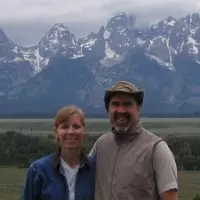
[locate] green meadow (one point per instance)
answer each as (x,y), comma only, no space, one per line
(186,126)
(12,178)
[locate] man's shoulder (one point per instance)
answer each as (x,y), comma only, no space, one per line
(150,136)
(162,149)
(105,137)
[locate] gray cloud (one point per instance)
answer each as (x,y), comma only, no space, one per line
(25,21)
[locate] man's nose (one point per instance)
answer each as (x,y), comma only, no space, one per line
(121,109)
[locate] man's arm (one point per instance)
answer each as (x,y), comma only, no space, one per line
(166,172)
(169,195)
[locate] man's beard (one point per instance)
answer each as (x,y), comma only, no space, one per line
(122,122)
(122,130)
(126,130)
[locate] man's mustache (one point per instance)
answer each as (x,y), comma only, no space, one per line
(118,114)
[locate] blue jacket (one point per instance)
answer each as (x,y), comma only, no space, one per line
(46,181)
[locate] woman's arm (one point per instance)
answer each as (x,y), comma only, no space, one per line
(31,190)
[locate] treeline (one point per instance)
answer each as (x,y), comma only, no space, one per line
(20,150)
(186,151)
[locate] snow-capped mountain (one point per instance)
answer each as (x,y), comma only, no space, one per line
(14,70)
(164,59)
(8,50)
(58,40)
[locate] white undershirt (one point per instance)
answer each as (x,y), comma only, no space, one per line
(70,175)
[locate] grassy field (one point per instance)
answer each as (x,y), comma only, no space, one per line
(100,126)
(12,179)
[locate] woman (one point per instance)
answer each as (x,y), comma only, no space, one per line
(67,174)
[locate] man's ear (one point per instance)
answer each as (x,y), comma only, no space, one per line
(139,107)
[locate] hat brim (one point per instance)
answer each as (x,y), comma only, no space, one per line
(138,96)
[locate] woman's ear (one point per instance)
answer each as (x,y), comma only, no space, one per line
(57,138)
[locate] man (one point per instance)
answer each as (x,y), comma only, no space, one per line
(132,163)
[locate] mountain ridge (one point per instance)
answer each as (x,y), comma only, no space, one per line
(163,59)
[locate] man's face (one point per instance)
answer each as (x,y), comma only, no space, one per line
(123,112)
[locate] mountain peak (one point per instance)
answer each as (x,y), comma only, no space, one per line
(57,37)
(58,31)
(121,20)
(3,37)
(163,59)
(170,21)
(60,27)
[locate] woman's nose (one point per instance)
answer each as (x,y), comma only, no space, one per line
(70,130)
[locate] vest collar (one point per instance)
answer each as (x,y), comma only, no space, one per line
(130,135)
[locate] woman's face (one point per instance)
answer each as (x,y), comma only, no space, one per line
(71,133)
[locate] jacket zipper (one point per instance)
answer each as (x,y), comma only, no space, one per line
(66,184)
(116,158)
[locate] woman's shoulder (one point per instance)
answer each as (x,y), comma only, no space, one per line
(42,162)
(92,161)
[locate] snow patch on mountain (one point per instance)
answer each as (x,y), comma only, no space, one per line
(89,44)
(193,49)
(161,62)
(161,42)
(109,52)
(15,49)
(106,35)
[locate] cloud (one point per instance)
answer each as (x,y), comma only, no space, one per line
(50,10)
(47,11)
(86,15)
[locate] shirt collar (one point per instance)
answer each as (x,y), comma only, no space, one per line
(56,159)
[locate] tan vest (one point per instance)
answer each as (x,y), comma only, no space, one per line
(125,170)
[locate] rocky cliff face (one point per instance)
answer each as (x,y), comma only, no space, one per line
(61,69)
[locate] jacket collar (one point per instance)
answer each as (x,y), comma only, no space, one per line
(56,159)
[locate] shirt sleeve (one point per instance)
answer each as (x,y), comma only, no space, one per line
(165,168)
(31,190)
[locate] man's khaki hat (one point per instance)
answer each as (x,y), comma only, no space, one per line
(124,87)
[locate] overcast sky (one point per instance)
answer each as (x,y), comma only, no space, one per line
(25,21)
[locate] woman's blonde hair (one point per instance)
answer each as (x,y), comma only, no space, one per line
(65,112)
